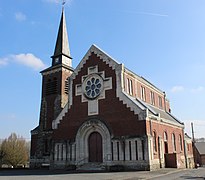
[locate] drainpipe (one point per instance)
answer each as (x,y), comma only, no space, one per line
(185,153)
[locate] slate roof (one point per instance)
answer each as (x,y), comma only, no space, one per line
(165,114)
(62,45)
(154,110)
(200,147)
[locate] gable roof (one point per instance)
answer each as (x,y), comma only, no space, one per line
(200,147)
(135,104)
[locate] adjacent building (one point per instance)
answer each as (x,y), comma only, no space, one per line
(199,153)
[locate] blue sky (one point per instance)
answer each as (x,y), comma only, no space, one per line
(162,40)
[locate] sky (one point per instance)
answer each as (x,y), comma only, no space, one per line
(161,40)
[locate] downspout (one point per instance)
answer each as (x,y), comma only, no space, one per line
(185,151)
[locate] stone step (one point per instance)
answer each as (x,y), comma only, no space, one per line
(91,167)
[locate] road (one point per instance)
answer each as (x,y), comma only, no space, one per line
(198,174)
(162,174)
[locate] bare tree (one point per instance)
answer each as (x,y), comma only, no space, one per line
(15,151)
(1,155)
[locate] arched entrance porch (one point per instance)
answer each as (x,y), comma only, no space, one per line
(93,143)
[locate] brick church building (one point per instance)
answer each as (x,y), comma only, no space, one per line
(102,115)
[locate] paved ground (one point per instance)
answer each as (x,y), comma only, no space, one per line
(164,174)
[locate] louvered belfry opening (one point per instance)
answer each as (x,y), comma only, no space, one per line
(51,86)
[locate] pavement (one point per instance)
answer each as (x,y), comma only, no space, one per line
(24,174)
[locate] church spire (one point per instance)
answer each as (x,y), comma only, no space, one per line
(62,50)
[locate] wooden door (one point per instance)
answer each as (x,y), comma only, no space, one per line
(95,147)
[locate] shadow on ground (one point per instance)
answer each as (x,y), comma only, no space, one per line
(192,177)
(29,172)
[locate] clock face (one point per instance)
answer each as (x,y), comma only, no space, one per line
(56,60)
(93,86)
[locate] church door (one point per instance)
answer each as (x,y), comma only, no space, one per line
(95,147)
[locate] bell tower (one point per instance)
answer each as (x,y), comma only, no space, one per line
(54,95)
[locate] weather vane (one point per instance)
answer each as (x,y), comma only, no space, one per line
(63,2)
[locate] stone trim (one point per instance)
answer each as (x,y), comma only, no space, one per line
(94,125)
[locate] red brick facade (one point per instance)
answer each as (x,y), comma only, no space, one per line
(119,119)
(129,115)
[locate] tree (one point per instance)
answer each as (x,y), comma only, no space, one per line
(1,155)
(15,151)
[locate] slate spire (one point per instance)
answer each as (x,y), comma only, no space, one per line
(62,51)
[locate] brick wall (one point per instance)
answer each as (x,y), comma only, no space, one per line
(118,118)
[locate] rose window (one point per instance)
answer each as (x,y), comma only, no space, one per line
(93,86)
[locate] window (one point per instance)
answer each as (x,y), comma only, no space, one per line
(152,98)
(143,152)
(66,86)
(174,142)
(93,86)
(165,143)
(160,102)
(130,150)
(154,141)
(129,86)
(51,86)
(143,93)
(180,142)
(62,146)
(58,149)
(165,137)
(112,150)
(136,150)
(118,151)
(123,143)
(71,152)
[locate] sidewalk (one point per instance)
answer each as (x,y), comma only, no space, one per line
(143,174)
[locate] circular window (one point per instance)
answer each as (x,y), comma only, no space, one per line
(93,86)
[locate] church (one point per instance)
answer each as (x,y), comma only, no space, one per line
(101,115)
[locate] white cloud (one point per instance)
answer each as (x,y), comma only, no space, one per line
(3,61)
(177,89)
(20,16)
(198,89)
(28,60)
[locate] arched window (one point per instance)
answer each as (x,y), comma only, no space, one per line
(173,142)
(154,141)
(165,137)
(165,143)
(180,142)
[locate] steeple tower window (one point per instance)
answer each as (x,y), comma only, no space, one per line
(66,86)
(51,86)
